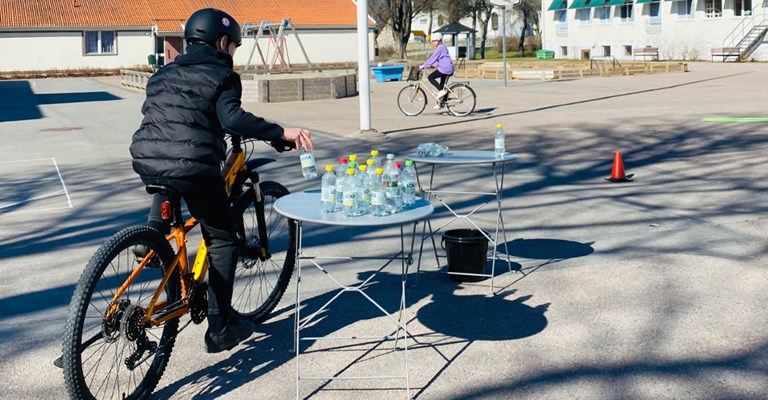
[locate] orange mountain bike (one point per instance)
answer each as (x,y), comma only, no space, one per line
(126,310)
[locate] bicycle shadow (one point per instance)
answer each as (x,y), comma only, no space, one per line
(445,316)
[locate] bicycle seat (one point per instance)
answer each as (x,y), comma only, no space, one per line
(163,190)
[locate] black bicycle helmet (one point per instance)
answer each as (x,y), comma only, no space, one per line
(209,24)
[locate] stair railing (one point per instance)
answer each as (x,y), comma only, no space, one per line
(746,25)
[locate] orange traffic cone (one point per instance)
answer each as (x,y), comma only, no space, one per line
(617,173)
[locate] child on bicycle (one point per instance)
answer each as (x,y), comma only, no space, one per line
(190,104)
(442,60)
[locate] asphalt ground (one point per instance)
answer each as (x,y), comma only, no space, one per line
(654,289)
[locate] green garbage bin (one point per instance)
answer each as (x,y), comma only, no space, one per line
(151,60)
(545,53)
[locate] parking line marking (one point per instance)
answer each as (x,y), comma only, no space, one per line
(66,193)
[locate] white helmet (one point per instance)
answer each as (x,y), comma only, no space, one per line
(436,36)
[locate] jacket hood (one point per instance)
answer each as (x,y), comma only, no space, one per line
(204,54)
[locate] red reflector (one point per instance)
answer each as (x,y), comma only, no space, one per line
(165,210)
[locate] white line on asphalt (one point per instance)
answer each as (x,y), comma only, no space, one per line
(69,201)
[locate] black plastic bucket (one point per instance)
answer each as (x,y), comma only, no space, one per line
(466,250)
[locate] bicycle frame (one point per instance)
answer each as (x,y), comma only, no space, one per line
(429,88)
(235,164)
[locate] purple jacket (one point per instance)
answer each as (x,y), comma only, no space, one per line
(441,59)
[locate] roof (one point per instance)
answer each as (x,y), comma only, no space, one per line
(166,14)
(454,27)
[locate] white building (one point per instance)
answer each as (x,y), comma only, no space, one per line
(680,29)
(40,35)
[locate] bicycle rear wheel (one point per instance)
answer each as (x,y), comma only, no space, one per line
(411,100)
(261,279)
(461,100)
(107,352)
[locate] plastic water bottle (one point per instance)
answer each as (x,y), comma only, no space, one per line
(341,169)
(378,197)
(498,142)
(308,167)
(371,166)
(408,184)
(391,181)
(328,191)
(431,149)
(376,159)
(349,193)
(363,190)
(341,176)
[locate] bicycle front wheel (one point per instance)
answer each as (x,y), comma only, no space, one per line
(412,100)
(108,352)
(461,100)
(265,264)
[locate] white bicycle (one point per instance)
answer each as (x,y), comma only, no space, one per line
(460,99)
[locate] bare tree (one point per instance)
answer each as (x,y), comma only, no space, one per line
(379,11)
(483,11)
(402,14)
(528,10)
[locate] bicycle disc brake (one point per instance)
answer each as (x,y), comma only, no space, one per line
(198,307)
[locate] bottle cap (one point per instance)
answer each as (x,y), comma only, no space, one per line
(390,156)
(329,168)
(498,126)
(350,171)
(408,162)
(374,153)
(342,160)
(398,165)
(370,161)
(379,171)
(362,167)
(352,157)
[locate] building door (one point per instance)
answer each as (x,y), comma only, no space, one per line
(172,48)
(160,50)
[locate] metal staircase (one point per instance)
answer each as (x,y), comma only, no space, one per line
(749,33)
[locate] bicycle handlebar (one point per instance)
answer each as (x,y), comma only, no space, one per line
(278,144)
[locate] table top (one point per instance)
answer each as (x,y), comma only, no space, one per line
(305,206)
(463,157)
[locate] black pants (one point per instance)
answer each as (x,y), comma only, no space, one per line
(433,79)
(207,201)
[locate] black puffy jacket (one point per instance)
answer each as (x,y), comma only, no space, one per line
(189,104)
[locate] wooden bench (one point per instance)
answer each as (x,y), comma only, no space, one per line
(726,52)
(647,51)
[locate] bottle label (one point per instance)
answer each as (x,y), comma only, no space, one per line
(349,199)
(365,195)
(328,194)
(307,160)
(377,198)
(499,143)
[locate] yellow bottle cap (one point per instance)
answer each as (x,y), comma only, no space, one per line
(329,167)
(374,152)
(370,161)
(362,167)
(350,171)
(352,157)
(498,126)
(379,171)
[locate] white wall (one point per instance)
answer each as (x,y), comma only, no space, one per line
(31,51)
(677,39)
(36,51)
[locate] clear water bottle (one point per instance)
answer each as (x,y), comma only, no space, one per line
(391,181)
(378,196)
(376,159)
(371,166)
(349,193)
(408,184)
(328,191)
(431,149)
(498,142)
(363,190)
(308,167)
(341,169)
(341,176)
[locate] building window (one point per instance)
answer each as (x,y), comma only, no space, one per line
(561,21)
(606,51)
(654,11)
(627,50)
(100,42)
(495,21)
(603,14)
(583,16)
(564,51)
(626,13)
(684,9)
(713,8)
(742,7)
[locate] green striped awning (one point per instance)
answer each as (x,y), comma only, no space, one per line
(578,4)
(644,1)
(556,4)
(616,2)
